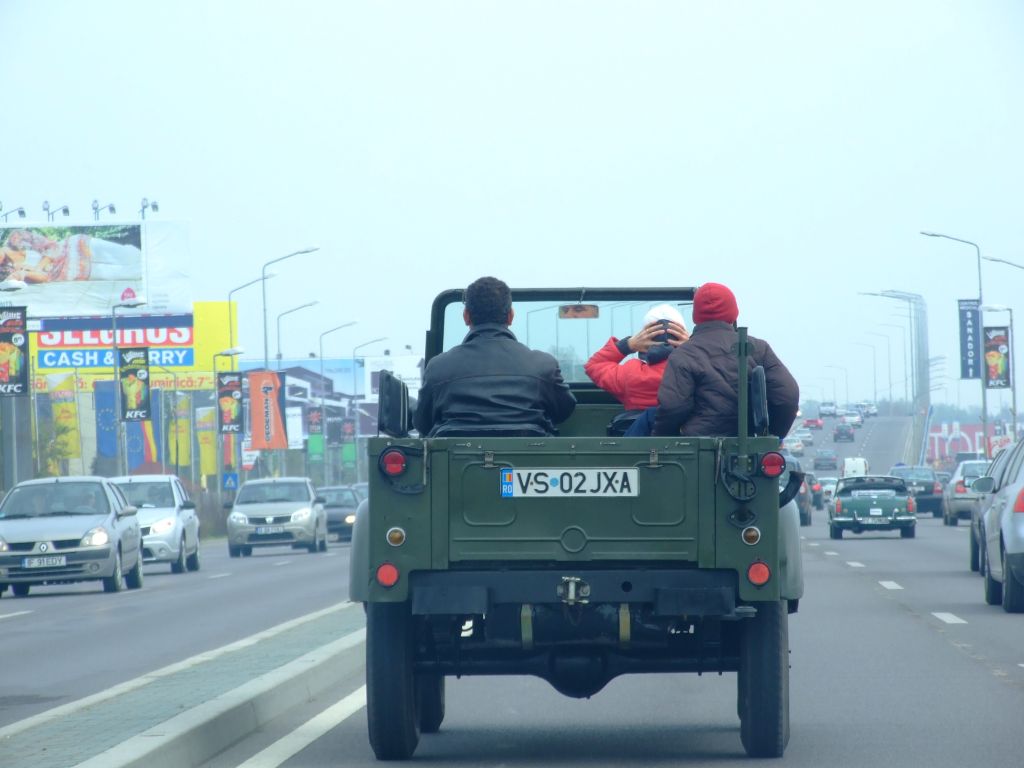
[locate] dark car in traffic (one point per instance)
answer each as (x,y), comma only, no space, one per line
(843,433)
(924,486)
(340,502)
(826,458)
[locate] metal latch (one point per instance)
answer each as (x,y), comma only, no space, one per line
(573,591)
(489,459)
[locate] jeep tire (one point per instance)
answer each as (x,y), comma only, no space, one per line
(430,701)
(390,683)
(764,681)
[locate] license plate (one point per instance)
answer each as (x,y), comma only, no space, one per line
(565,483)
(45,561)
(268,529)
(875,510)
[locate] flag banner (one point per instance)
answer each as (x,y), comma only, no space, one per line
(179,442)
(64,406)
(997,357)
(143,440)
(266,411)
(106,418)
(314,421)
(970,343)
(206,433)
(133,369)
(229,402)
(13,352)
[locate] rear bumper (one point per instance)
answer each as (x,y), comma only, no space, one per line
(862,524)
(961,507)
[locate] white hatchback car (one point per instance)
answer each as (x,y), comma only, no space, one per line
(170,525)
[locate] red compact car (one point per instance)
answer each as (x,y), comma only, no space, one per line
(814,424)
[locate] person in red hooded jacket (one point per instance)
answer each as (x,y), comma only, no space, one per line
(699,391)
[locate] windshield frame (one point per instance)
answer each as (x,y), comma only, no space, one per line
(50,490)
(307,499)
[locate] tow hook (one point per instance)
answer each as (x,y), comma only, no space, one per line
(573,591)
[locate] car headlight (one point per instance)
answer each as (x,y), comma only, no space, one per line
(162,526)
(350,519)
(238,517)
(97,537)
(301,516)
(3,545)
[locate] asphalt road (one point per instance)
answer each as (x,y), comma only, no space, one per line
(64,642)
(896,661)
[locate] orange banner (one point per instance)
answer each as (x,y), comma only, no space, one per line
(266,411)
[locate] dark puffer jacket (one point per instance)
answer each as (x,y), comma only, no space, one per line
(491,380)
(698,394)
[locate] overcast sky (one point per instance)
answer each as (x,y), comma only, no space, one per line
(792,150)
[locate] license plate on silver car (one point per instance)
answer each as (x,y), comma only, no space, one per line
(568,483)
(269,529)
(45,561)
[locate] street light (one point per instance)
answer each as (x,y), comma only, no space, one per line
(96,208)
(263,280)
(323,403)
(153,206)
(288,312)
(906,365)
(1013,356)
(138,301)
(888,363)
(51,213)
(874,365)
(232,292)
(19,210)
(846,382)
(355,413)
(981,301)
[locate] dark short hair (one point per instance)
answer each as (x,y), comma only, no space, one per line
(488,300)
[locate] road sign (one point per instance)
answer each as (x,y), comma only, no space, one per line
(230,482)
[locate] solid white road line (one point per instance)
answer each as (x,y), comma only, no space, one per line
(890,585)
(855,564)
(12,615)
(949,618)
(131,685)
(218,575)
(288,746)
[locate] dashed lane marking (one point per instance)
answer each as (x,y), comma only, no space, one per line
(218,575)
(813,543)
(830,552)
(949,618)
(283,562)
(855,564)
(890,585)
(12,615)
(288,746)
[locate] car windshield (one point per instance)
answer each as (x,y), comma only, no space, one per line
(148,494)
(267,493)
(54,499)
(339,497)
(559,327)
(914,473)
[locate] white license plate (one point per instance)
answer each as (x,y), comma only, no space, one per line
(268,529)
(45,561)
(566,483)
(875,510)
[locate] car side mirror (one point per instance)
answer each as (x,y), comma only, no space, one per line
(393,405)
(128,511)
(983,485)
(188,505)
(228,504)
(319,500)
(759,401)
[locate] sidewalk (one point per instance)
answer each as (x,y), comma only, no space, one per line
(184,714)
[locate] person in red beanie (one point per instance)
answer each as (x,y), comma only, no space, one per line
(698,392)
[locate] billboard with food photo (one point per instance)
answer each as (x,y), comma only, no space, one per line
(997,357)
(87,269)
(13,352)
(134,375)
(229,402)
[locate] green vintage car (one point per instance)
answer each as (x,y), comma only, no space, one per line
(872,503)
(575,558)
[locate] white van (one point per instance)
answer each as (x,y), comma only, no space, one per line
(827,408)
(856,466)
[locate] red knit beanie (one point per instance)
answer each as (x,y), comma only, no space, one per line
(713,301)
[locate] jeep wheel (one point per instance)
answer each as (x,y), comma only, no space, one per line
(975,564)
(993,589)
(430,701)
(764,687)
(1013,590)
(390,683)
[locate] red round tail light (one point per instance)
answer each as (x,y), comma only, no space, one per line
(773,464)
(758,574)
(392,462)
(387,575)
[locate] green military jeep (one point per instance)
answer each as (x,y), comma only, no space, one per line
(579,557)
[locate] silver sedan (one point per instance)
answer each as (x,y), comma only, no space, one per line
(170,526)
(274,512)
(1002,534)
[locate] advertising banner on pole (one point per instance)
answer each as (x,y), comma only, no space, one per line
(64,403)
(997,357)
(13,352)
(266,411)
(229,402)
(206,436)
(970,342)
(134,377)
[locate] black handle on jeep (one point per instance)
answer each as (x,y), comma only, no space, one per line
(792,488)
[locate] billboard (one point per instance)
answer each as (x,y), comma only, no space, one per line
(87,269)
(405,367)
(133,372)
(997,357)
(229,402)
(266,411)
(14,347)
(970,343)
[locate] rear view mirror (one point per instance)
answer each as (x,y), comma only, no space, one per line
(128,511)
(758,401)
(983,485)
(319,500)
(188,505)
(228,504)
(393,405)
(578,311)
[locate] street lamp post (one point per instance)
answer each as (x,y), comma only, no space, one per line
(906,364)
(981,302)
(323,401)
(122,468)
(846,382)
(1013,357)
(51,212)
(232,292)
(263,280)
(355,411)
(888,363)
(874,366)
(20,211)
(152,205)
(96,208)
(288,312)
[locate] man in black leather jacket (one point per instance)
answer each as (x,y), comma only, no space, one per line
(490,383)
